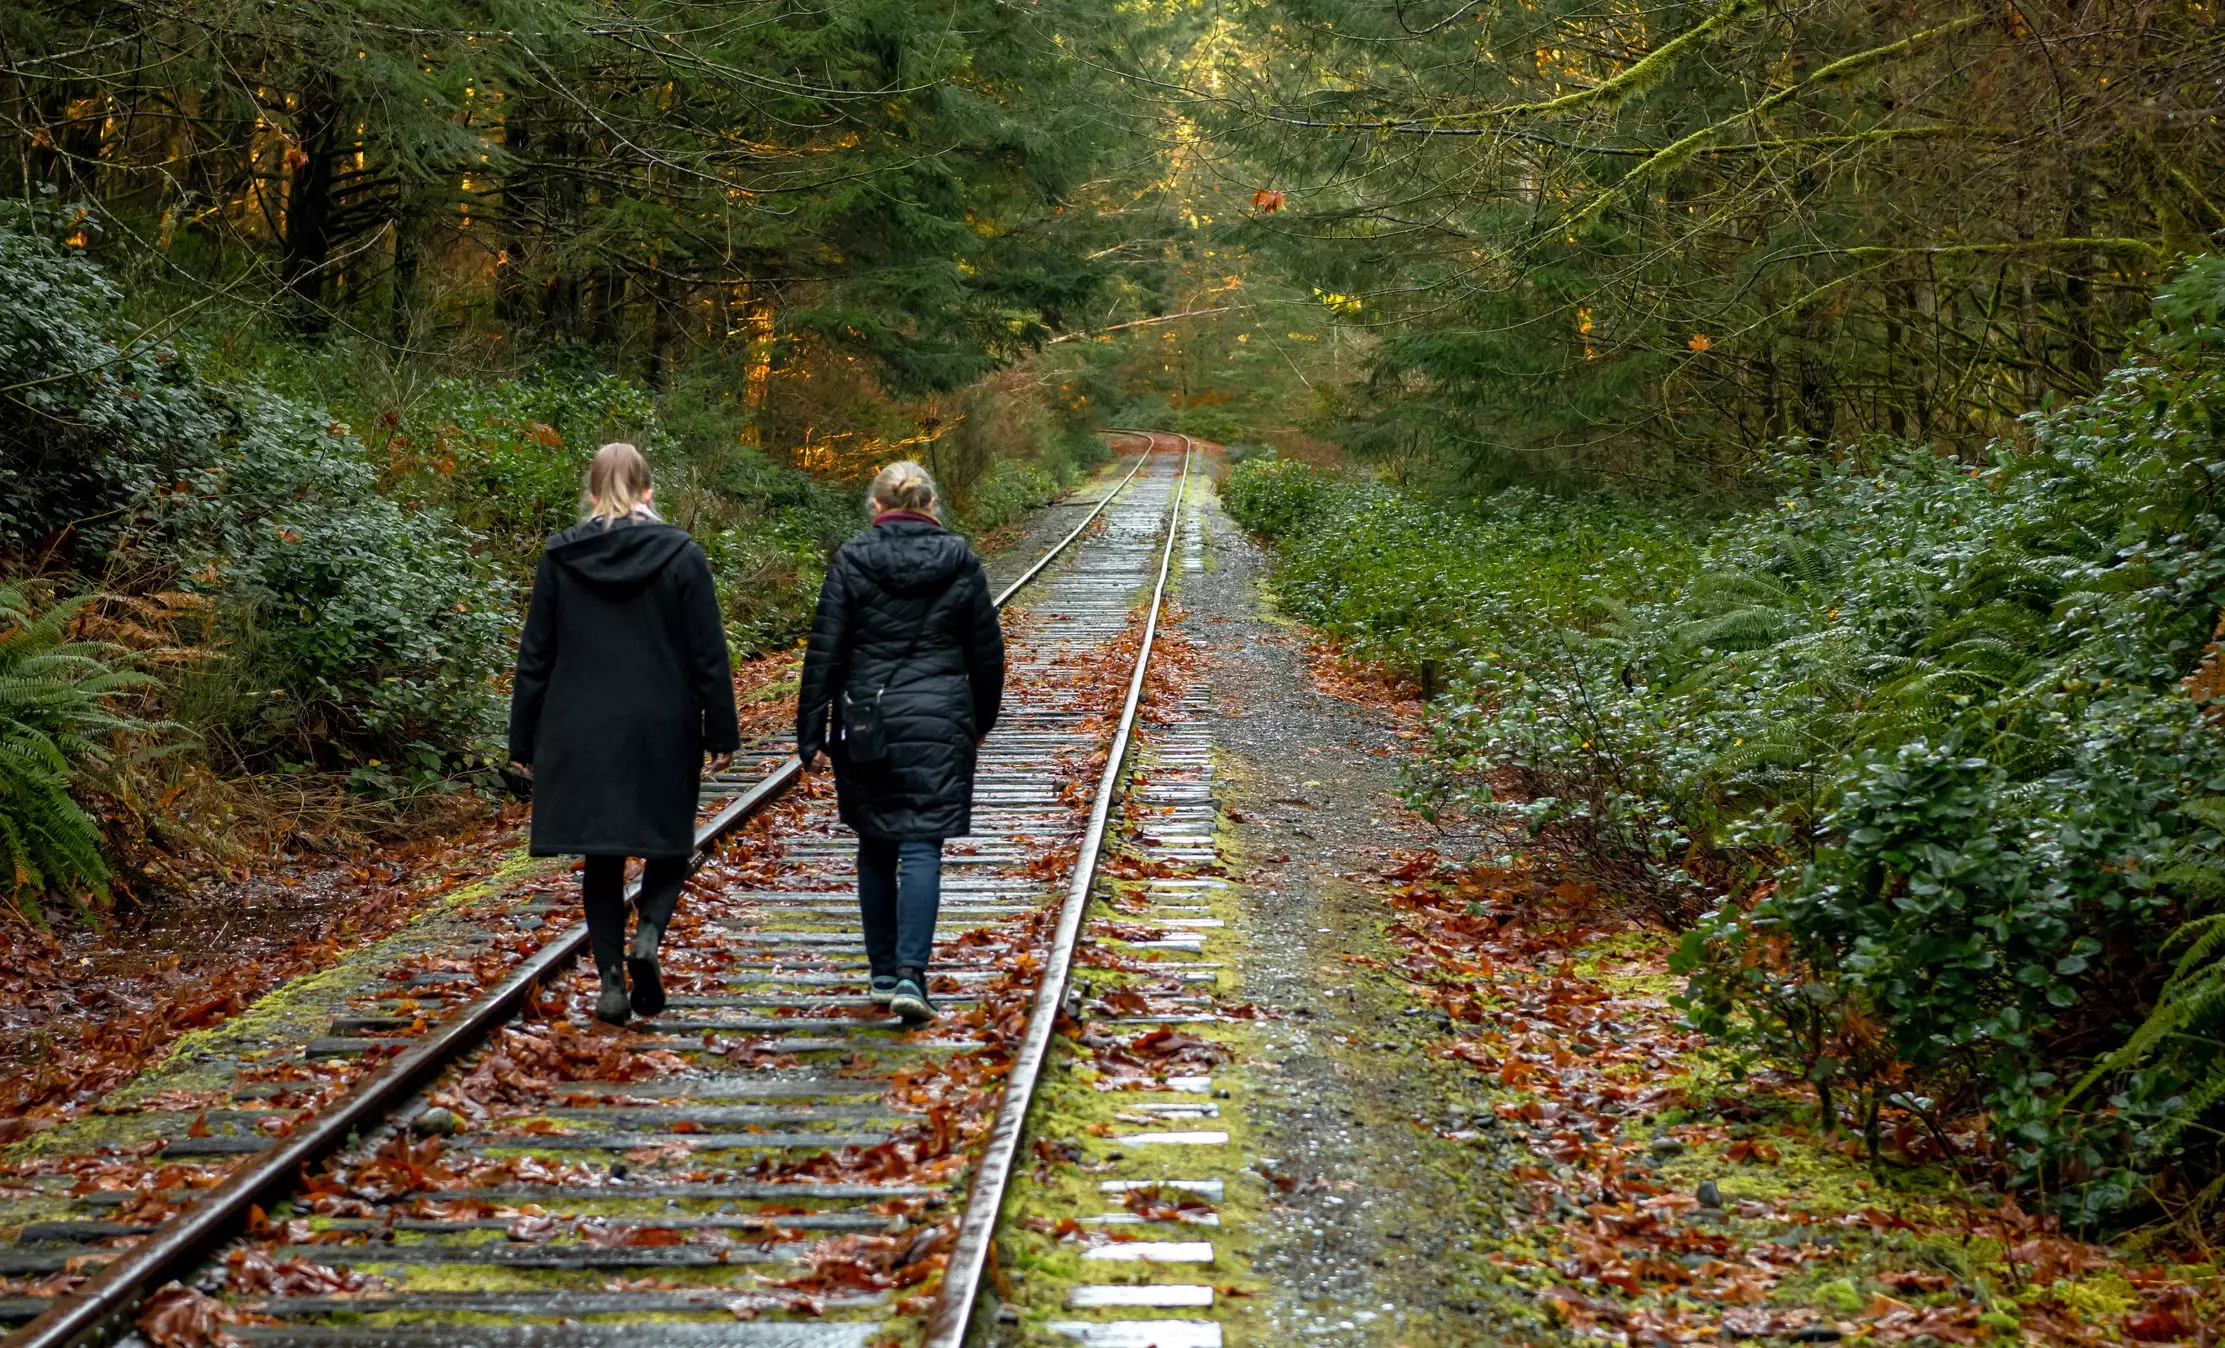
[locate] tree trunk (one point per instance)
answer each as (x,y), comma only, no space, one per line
(607,295)
(307,242)
(661,334)
(520,195)
(402,294)
(561,200)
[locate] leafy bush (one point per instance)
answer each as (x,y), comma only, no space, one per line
(57,724)
(1924,718)
(508,457)
(347,619)
(1279,499)
(1010,489)
(97,425)
(349,626)
(769,573)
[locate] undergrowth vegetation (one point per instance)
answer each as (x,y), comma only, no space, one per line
(349,626)
(289,563)
(1919,755)
(55,720)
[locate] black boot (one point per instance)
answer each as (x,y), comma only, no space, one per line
(612,1007)
(641,962)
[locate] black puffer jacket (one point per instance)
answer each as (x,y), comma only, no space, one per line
(906,574)
(623,685)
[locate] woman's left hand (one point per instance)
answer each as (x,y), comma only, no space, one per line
(718,763)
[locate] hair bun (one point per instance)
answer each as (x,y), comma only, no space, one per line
(903,485)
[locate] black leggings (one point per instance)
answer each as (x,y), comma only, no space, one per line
(602,887)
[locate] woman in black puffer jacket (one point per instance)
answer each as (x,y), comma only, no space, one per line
(905,636)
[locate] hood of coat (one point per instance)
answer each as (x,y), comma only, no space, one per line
(622,556)
(908,557)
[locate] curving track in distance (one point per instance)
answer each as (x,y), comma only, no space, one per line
(770,1162)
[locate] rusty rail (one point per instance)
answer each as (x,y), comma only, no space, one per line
(969,1256)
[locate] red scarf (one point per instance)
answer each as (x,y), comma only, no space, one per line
(887,515)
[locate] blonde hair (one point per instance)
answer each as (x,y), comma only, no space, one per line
(617,481)
(903,485)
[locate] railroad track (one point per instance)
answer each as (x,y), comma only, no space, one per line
(772,1161)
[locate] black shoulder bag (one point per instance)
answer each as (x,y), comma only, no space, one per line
(864,733)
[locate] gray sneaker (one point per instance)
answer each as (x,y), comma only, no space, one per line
(909,1001)
(884,987)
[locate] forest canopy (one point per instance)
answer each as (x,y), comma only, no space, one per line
(314,312)
(1655,241)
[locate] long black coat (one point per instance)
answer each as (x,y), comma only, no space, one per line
(904,574)
(623,685)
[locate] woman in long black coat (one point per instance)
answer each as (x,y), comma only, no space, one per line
(623,685)
(905,634)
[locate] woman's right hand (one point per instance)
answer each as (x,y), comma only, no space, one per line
(524,770)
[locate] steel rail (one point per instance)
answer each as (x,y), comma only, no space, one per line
(1149,443)
(969,1255)
(94,1312)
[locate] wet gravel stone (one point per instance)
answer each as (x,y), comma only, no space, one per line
(1384,1223)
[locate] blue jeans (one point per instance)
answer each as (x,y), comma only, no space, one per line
(900,887)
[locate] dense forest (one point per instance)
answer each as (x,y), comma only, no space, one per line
(1788,455)
(1782,439)
(314,312)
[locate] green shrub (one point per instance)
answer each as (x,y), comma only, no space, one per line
(1276,498)
(1072,451)
(1922,717)
(95,425)
(1010,489)
(1404,580)
(58,724)
(508,457)
(347,626)
(769,573)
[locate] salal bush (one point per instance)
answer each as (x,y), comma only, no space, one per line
(2024,798)
(508,457)
(346,625)
(1912,750)
(1007,492)
(769,572)
(1520,604)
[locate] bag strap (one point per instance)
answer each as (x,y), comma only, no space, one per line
(909,647)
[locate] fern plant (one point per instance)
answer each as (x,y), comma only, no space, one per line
(2174,1063)
(58,726)
(2192,1010)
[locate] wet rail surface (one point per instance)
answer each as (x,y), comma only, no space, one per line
(1133,1226)
(770,1161)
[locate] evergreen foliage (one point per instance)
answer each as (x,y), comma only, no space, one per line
(349,627)
(1647,244)
(869,181)
(58,725)
(1921,754)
